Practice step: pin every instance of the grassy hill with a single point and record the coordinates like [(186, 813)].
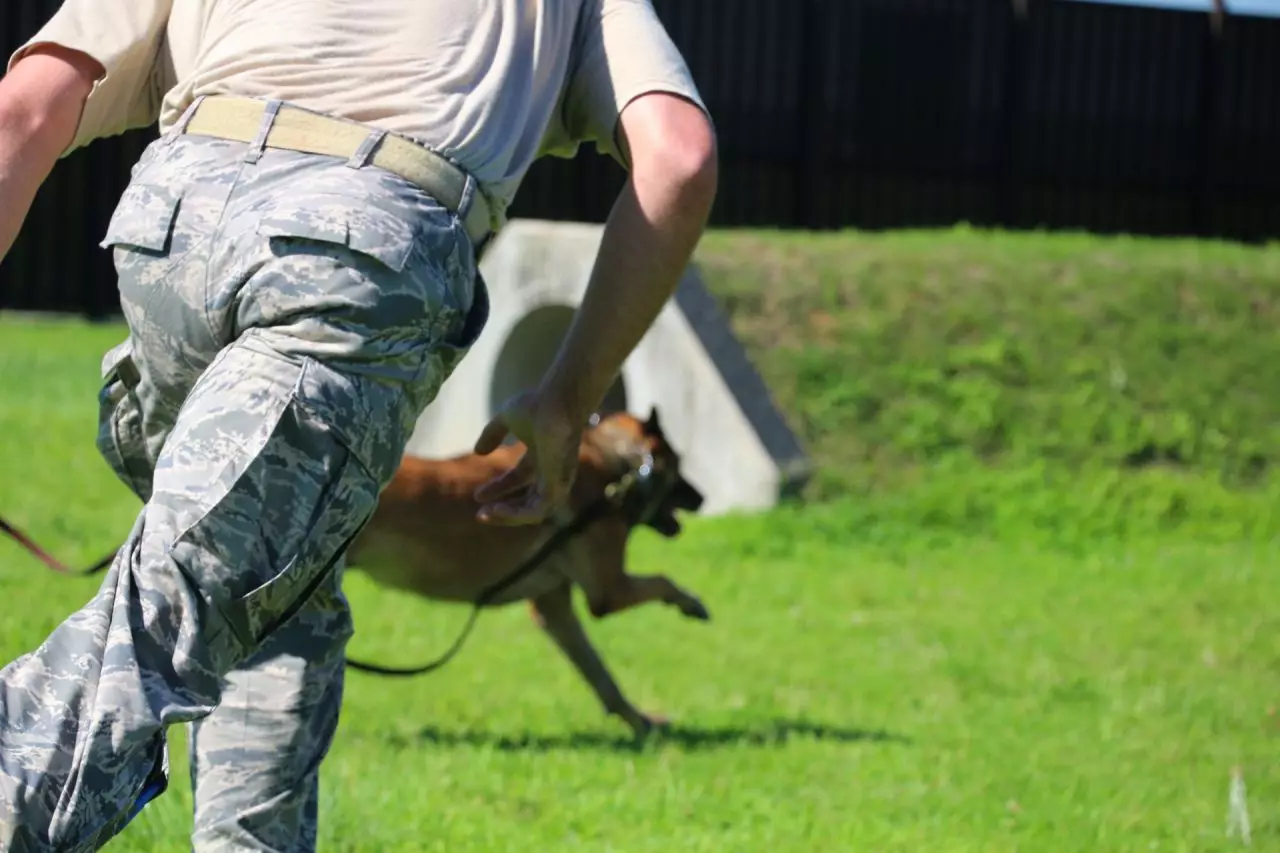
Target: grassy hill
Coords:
[(973, 379)]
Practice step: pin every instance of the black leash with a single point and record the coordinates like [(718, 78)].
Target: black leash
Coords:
[(48, 559), (549, 547), (637, 494)]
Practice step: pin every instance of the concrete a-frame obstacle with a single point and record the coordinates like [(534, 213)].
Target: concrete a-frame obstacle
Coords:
[(716, 411)]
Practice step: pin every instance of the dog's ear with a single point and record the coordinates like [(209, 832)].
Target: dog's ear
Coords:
[(652, 426)]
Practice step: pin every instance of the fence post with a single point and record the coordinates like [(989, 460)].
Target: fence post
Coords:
[(1204, 184), (813, 129), (1013, 98)]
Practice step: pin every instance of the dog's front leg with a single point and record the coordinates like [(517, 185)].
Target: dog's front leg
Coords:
[(554, 613)]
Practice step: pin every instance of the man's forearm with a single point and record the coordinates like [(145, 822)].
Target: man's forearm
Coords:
[(23, 168), (647, 243), (41, 101)]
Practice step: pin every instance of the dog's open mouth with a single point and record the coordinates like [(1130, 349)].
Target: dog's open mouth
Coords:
[(665, 522), (683, 497)]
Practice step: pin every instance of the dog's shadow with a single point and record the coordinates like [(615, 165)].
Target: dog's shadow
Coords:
[(776, 733)]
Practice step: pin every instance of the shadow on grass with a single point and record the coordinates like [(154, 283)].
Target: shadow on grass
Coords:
[(689, 738)]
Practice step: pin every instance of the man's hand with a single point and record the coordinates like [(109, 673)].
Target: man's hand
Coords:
[(531, 491), (41, 101)]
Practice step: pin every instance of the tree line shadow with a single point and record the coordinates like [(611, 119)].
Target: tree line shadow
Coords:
[(777, 733)]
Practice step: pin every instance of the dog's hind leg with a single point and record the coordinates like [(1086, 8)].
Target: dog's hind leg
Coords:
[(554, 613)]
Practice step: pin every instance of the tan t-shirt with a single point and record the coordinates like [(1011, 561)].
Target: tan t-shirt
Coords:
[(492, 84)]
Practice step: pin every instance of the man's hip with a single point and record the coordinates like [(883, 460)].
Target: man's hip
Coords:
[(355, 267)]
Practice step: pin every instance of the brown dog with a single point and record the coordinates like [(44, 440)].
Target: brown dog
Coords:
[(425, 538)]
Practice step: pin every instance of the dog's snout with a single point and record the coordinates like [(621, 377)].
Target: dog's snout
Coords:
[(688, 496)]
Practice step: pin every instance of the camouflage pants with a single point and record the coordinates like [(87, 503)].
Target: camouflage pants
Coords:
[(289, 318)]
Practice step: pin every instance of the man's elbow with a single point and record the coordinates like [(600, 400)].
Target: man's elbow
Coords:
[(673, 148), (43, 96), (694, 167)]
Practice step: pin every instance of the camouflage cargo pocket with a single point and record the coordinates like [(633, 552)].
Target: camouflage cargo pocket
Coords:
[(120, 439)]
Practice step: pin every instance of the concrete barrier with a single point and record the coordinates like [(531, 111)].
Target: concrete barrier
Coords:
[(715, 409)]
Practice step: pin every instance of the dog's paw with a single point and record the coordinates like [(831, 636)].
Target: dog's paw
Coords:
[(695, 609), (651, 725), (642, 725)]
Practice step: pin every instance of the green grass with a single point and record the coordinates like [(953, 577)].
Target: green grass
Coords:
[(1029, 607), (860, 688), (1136, 376)]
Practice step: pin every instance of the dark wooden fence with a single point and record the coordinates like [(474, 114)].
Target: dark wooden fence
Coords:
[(873, 114)]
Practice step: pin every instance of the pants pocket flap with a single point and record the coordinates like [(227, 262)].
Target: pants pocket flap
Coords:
[(380, 235), (143, 219)]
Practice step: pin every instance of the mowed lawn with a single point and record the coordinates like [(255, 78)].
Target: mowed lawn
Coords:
[(856, 690)]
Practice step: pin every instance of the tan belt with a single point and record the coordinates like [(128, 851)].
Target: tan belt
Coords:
[(295, 129)]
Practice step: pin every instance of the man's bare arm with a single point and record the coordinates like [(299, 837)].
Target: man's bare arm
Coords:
[(41, 101), (647, 243)]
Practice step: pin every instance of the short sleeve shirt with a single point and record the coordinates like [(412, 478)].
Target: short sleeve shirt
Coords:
[(491, 84)]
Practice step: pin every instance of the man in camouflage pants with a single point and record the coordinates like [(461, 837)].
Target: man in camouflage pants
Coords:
[(298, 272)]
